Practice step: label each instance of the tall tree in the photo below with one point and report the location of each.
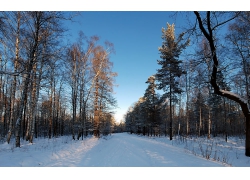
(74, 54)
(170, 63)
(151, 102)
(13, 89)
(38, 24)
(103, 80)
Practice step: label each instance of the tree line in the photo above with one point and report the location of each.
(48, 87)
(204, 80)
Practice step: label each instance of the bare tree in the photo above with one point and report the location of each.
(208, 27)
(103, 75)
(38, 23)
(13, 90)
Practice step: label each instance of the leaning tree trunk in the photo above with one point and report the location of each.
(245, 106)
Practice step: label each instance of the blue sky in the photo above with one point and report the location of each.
(135, 29)
(136, 37)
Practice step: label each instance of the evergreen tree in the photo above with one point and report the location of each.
(150, 103)
(170, 63)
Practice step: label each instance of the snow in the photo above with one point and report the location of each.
(125, 150)
(235, 95)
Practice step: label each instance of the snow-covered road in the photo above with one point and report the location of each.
(124, 150)
(117, 150)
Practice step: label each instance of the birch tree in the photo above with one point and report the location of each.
(103, 75)
(37, 22)
(17, 17)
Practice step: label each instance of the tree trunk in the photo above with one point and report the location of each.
(24, 123)
(51, 108)
(209, 123)
(200, 123)
(34, 99)
(225, 119)
(96, 110)
(187, 104)
(22, 105)
(170, 113)
(247, 151)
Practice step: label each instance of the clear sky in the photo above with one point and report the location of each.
(136, 37)
(134, 27)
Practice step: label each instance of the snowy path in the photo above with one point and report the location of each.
(128, 150)
(119, 150)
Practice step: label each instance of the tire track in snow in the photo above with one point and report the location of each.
(71, 156)
(124, 150)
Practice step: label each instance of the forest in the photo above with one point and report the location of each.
(51, 88)
(205, 92)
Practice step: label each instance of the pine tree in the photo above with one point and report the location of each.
(171, 70)
(150, 103)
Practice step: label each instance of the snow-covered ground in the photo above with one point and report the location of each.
(125, 150)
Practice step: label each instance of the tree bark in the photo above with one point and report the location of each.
(34, 99)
